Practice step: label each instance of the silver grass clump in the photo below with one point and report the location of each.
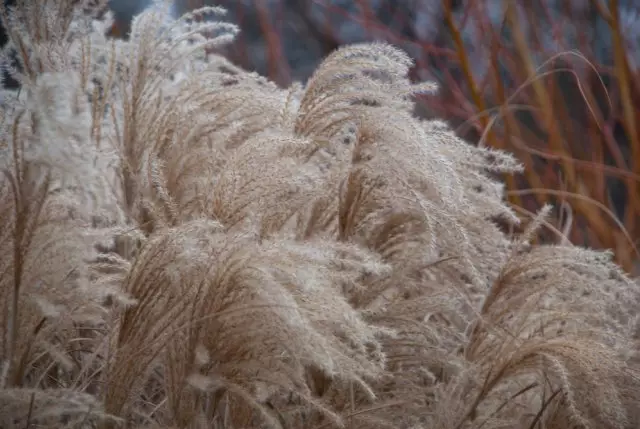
(186, 245)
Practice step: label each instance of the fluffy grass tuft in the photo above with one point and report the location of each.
(186, 245)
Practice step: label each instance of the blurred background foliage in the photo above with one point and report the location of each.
(557, 82)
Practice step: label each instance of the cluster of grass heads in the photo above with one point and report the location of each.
(553, 82)
(185, 244)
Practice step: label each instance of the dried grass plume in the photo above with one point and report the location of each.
(186, 245)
